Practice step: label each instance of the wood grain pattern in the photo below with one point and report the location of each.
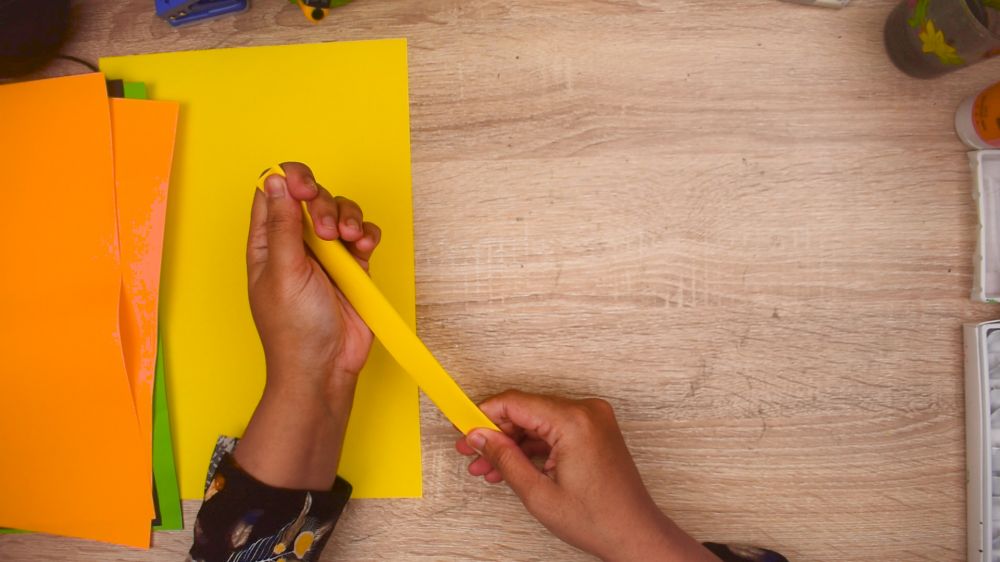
(736, 221)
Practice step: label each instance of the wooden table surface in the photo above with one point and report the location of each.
(734, 220)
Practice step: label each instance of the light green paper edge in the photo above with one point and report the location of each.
(167, 490)
(135, 90)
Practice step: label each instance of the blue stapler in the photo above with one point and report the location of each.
(181, 12)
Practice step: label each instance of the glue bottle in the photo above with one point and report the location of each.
(977, 120)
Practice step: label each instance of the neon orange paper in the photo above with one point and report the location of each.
(143, 149)
(72, 454)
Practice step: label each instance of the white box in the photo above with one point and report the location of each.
(985, 165)
(978, 442)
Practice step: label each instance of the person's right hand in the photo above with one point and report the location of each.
(315, 344)
(588, 492)
(310, 332)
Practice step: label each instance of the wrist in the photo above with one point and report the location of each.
(331, 388)
(673, 544)
(659, 539)
(294, 438)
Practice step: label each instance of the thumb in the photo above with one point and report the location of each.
(284, 225)
(511, 462)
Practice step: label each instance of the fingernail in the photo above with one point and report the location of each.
(477, 441)
(311, 184)
(328, 221)
(353, 224)
(275, 185)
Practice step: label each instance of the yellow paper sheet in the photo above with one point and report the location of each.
(72, 453)
(343, 109)
(389, 327)
(143, 148)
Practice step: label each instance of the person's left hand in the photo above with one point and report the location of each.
(312, 336)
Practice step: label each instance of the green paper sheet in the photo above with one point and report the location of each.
(168, 497)
(135, 90)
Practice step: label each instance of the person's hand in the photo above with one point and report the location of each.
(314, 342)
(587, 491)
(309, 331)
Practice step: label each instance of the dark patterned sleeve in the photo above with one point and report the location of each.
(245, 520)
(741, 553)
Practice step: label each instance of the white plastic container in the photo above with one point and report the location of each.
(977, 119)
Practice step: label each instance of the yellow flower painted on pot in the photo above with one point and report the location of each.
(303, 543)
(934, 42)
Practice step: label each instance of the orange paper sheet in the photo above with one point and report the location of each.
(72, 452)
(143, 149)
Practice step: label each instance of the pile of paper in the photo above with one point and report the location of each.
(86, 225)
(85, 190)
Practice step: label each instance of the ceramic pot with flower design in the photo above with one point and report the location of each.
(928, 38)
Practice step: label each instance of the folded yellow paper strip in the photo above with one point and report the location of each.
(376, 310)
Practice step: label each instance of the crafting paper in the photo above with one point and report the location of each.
(343, 109)
(143, 136)
(387, 325)
(73, 453)
(134, 90)
(168, 496)
(143, 133)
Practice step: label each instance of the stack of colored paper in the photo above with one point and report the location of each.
(82, 385)
(85, 193)
(343, 109)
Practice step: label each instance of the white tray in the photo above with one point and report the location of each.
(978, 443)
